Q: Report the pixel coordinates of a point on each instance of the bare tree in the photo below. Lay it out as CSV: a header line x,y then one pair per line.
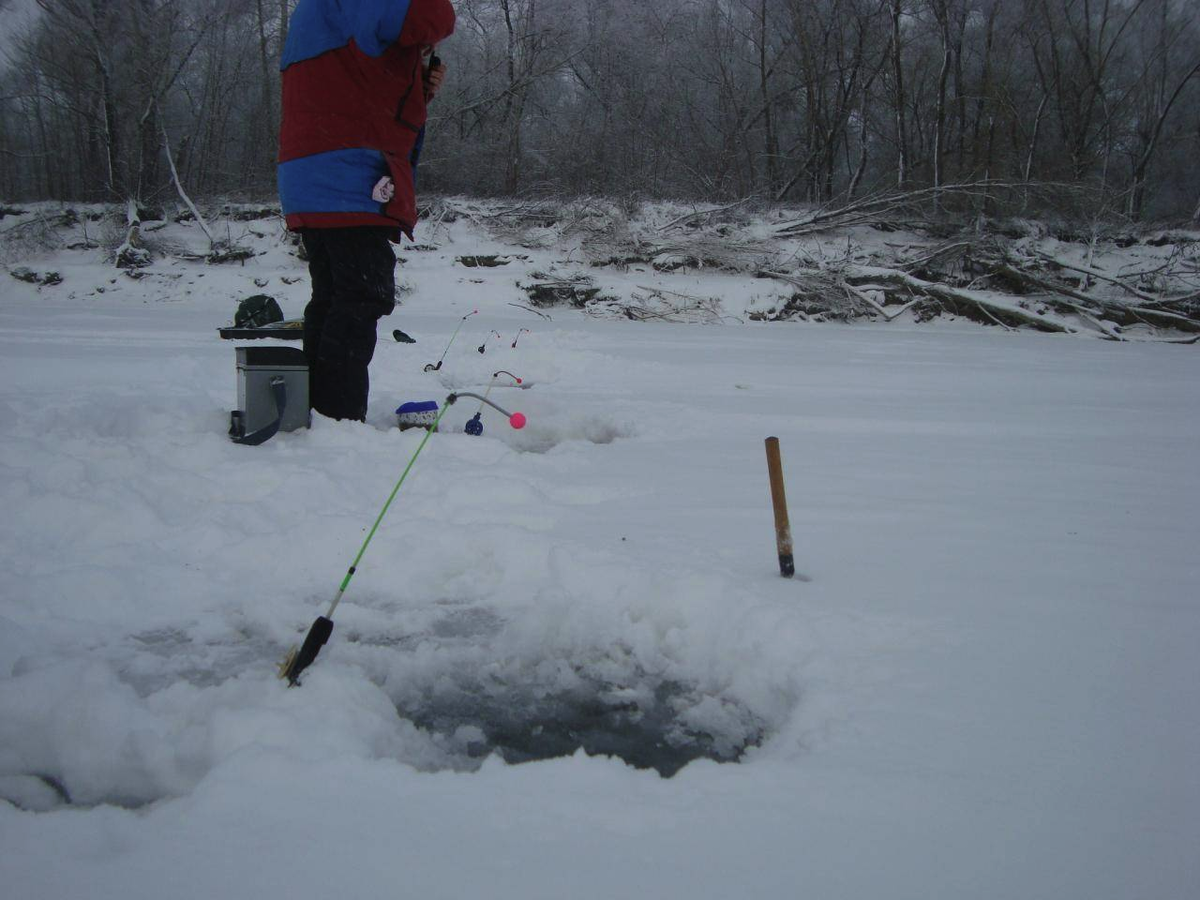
x,y
1170,66
899,98
693,99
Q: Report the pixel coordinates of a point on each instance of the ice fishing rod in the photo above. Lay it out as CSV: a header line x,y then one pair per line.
x,y
518,337
483,346
300,658
474,426
432,367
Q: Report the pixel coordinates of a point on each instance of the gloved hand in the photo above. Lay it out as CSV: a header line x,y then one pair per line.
x,y
434,75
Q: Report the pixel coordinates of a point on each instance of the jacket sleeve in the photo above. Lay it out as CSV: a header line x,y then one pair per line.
x,y
427,22
376,24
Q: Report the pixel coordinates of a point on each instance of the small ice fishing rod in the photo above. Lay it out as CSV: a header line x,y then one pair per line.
x,y
474,426
433,367
300,658
518,337
483,346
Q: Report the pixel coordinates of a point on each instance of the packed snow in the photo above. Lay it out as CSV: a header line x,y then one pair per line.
x,y
983,682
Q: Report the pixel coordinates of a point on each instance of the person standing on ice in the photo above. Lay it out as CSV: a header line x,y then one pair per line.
x,y
357,75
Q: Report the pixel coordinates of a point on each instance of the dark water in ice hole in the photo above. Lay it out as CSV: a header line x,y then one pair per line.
x,y
636,720
525,720
523,726
520,723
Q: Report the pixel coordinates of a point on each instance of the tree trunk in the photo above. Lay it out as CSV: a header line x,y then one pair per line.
x,y
939,129
985,90
856,178
114,185
512,110
269,120
1150,141
1033,140
771,142
898,96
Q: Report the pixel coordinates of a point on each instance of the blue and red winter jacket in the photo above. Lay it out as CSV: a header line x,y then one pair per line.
x,y
354,108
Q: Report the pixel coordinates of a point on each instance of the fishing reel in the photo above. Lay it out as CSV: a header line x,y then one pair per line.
x,y
474,426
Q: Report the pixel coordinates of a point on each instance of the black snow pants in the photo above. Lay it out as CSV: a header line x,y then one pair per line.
x,y
353,273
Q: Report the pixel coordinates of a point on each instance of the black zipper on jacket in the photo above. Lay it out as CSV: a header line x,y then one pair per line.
x,y
404,99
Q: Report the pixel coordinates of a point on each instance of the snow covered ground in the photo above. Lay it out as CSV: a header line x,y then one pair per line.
x,y
986,683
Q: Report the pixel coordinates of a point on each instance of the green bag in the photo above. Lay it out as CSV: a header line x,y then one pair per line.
x,y
256,311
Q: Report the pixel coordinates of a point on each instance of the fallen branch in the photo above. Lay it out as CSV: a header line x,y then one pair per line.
x,y
536,312
1167,319
1096,273
817,289
1095,306
878,208
656,306
573,290
956,249
862,295
183,195
699,214
961,301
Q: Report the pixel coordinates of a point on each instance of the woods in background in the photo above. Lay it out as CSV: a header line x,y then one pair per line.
x,y
1096,102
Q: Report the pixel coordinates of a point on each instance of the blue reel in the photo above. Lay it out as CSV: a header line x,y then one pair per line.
x,y
475,426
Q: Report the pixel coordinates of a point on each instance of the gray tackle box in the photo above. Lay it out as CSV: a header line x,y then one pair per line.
x,y
272,391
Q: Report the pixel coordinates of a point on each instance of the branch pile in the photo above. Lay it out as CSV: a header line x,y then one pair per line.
x,y
533,224
717,238
546,290
1001,284
909,209
647,304
36,232
611,233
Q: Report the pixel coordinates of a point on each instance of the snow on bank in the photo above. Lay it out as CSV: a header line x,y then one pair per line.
x,y
986,686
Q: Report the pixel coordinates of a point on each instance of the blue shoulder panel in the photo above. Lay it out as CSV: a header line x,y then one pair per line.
x,y
315,27
375,24
337,181
318,26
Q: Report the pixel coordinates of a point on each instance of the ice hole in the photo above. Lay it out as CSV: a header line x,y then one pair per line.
x,y
650,725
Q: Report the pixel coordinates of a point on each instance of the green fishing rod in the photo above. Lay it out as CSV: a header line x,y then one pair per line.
x,y
433,367
300,658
